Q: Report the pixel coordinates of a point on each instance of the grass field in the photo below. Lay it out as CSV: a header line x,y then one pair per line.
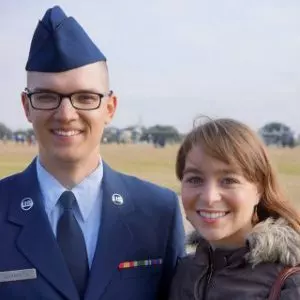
x,y
142,160
156,165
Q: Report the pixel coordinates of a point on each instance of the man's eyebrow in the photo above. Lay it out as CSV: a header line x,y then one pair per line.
x,y
91,90
39,89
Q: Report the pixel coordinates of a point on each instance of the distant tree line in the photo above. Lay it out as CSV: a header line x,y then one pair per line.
x,y
159,135
279,134
7,133
272,133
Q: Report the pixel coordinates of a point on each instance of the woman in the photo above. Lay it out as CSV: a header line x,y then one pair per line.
x,y
246,231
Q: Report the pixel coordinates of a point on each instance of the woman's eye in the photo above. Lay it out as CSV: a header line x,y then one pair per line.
x,y
194,180
229,181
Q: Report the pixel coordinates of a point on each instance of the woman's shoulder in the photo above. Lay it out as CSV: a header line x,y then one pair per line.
x,y
291,287
184,278
292,281
272,241
188,267
185,261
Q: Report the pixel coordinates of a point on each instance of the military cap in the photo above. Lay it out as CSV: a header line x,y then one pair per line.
x,y
60,44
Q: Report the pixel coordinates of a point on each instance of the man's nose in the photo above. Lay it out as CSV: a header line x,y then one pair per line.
x,y
66,111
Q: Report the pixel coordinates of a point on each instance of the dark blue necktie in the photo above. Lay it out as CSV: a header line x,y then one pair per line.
x,y
71,242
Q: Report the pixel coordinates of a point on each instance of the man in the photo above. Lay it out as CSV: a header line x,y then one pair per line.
x,y
70,227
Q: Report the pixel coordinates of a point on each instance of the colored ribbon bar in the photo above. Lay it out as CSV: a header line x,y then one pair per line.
x,y
138,263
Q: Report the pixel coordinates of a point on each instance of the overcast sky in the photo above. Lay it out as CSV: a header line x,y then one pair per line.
x,y
171,60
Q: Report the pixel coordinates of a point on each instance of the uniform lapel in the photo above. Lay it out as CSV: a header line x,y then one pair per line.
x,y
115,235
36,240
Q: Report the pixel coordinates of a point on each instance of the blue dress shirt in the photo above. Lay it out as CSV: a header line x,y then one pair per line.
x,y
88,209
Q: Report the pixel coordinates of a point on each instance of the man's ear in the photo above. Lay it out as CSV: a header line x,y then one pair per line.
x,y
111,106
26,106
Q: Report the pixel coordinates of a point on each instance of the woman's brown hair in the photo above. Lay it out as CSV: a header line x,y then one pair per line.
x,y
235,144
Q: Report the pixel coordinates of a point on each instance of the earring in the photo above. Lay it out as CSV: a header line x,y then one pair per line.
x,y
254,215
255,209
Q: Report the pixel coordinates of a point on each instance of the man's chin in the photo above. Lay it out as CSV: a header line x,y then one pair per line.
x,y
67,157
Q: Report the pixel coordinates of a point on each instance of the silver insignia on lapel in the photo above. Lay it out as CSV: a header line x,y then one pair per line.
x,y
26,204
117,199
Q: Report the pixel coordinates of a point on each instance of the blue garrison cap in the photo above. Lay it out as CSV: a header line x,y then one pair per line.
x,y
60,44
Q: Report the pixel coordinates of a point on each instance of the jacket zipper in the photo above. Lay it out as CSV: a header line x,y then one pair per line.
x,y
207,282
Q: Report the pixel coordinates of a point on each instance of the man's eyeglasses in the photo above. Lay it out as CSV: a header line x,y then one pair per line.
x,y
50,100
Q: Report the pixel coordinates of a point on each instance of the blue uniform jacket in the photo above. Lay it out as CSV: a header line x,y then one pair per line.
x,y
147,226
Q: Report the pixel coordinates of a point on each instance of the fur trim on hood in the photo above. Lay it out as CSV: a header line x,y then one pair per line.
x,y
269,241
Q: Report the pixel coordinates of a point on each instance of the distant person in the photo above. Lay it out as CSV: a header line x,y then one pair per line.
x,y
5,139
246,232
71,227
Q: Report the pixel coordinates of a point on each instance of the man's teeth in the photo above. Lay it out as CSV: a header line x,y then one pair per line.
x,y
66,133
214,215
